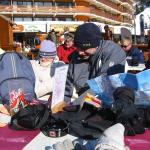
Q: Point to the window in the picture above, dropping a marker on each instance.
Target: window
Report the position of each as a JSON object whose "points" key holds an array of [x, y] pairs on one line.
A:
{"points": [[27, 19], [18, 19], [38, 19], [22, 19], [147, 4], [22, 3], [38, 3], [64, 4], [27, 3], [49, 19], [48, 4], [64, 19], [14, 3], [42, 19], [19, 3], [60, 19], [5, 2], [142, 23], [69, 19]]}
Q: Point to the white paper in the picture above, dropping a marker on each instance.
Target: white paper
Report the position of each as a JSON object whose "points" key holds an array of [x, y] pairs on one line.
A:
{"points": [[59, 85]]}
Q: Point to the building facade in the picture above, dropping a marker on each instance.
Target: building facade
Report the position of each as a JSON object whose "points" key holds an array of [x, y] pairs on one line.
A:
{"points": [[112, 12], [32, 16]]}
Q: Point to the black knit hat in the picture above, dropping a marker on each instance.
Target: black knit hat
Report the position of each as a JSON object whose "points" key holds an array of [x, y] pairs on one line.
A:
{"points": [[87, 36]]}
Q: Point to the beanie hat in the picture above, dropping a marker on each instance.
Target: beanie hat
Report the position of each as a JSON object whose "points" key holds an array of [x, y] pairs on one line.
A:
{"points": [[112, 138], [47, 49], [87, 36]]}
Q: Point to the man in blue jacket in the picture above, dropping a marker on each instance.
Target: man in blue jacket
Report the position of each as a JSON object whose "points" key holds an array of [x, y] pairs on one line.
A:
{"points": [[93, 58], [132, 51]]}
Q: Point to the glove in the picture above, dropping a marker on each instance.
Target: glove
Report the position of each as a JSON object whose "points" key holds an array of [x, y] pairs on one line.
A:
{"points": [[126, 111]]}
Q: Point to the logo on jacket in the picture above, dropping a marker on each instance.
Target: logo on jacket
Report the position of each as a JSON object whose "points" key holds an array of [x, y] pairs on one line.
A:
{"points": [[111, 64], [100, 62]]}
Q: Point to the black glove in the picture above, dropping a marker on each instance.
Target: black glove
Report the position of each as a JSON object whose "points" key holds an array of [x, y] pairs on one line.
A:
{"points": [[126, 111]]}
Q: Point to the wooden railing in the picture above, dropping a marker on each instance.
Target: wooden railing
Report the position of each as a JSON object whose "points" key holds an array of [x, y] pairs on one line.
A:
{"points": [[37, 9], [43, 9], [56, 10], [127, 1], [104, 14], [110, 4]]}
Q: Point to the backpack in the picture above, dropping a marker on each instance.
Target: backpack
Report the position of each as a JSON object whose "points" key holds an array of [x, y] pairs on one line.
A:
{"points": [[16, 73], [31, 117]]}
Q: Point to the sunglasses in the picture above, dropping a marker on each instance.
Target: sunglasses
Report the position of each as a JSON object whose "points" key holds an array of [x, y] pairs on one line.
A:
{"points": [[124, 46]]}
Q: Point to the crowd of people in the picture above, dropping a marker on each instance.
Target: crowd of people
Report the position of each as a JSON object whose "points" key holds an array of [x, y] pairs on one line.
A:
{"points": [[88, 56]]}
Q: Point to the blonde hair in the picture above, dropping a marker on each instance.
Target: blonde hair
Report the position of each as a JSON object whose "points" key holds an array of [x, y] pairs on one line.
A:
{"points": [[126, 40]]}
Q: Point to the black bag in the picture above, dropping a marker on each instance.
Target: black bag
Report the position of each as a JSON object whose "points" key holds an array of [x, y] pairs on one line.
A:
{"points": [[85, 123], [89, 128], [30, 118], [55, 128]]}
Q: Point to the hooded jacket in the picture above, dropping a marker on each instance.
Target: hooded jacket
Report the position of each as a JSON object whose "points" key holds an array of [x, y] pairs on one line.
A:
{"points": [[63, 52], [109, 59]]}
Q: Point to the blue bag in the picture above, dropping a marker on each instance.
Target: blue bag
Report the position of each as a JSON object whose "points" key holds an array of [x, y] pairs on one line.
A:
{"points": [[16, 73]]}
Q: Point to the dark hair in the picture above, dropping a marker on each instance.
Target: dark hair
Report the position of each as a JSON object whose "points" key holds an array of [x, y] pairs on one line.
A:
{"points": [[48, 37], [69, 36]]}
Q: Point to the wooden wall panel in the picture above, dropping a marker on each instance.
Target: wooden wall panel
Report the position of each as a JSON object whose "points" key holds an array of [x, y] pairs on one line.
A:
{"points": [[4, 32], [82, 3], [82, 18], [6, 35]]}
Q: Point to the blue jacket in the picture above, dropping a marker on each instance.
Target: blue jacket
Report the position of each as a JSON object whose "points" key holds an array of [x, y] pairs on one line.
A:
{"points": [[135, 52]]}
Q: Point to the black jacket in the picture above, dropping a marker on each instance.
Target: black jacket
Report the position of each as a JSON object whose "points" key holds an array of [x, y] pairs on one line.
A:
{"points": [[108, 59]]}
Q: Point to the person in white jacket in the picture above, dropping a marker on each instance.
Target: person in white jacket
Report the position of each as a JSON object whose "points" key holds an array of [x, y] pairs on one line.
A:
{"points": [[42, 69]]}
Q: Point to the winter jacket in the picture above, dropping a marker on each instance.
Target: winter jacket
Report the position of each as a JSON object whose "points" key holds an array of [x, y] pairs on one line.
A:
{"points": [[64, 52], [108, 59], [44, 77], [43, 81], [135, 52]]}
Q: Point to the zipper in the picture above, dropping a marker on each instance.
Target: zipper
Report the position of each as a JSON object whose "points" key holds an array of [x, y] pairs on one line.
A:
{"points": [[13, 66]]}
